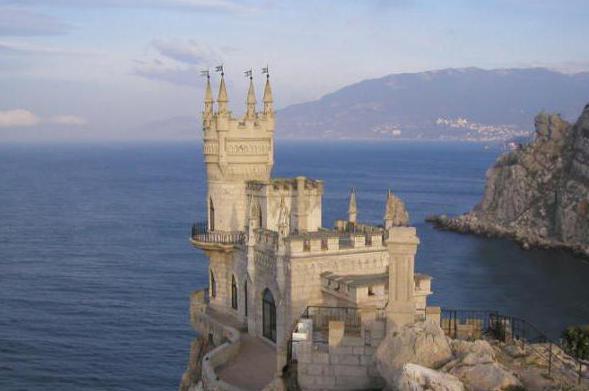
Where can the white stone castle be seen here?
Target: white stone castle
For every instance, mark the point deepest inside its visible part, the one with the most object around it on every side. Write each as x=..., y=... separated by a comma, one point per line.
x=279, y=279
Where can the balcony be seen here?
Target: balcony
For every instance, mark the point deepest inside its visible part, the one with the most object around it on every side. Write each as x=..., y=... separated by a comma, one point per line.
x=206, y=239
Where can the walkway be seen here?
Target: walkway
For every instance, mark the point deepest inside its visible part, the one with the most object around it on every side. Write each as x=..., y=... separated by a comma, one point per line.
x=255, y=365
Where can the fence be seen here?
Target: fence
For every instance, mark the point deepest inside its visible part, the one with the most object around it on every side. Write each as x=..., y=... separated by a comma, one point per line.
x=201, y=233
x=510, y=329
x=321, y=317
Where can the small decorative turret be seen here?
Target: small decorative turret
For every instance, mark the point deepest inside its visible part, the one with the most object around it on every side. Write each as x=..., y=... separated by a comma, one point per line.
x=251, y=99
x=268, y=110
x=222, y=97
x=207, y=114
x=395, y=214
x=283, y=220
x=352, y=208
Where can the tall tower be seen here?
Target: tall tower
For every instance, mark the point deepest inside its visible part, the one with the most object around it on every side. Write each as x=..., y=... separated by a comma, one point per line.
x=236, y=150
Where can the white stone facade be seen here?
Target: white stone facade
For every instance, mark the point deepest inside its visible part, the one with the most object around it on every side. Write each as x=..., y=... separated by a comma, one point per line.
x=268, y=250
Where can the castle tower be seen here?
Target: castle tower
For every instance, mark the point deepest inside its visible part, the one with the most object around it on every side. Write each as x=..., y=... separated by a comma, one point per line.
x=236, y=151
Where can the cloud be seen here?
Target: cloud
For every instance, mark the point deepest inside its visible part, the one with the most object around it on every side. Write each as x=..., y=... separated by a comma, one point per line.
x=18, y=118
x=18, y=47
x=183, y=5
x=189, y=52
x=68, y=120
x=177, y=62
x=23, y=22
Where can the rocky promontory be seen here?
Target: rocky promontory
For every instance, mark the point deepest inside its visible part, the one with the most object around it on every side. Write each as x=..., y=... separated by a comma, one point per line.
x=537, y=194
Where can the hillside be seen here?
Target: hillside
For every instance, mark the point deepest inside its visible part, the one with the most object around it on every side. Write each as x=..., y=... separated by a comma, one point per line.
x=467, y=104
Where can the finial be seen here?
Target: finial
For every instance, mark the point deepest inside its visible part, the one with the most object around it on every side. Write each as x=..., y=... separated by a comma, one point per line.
x=266, y=71
x=205, y=73
x=249, y=73
x=219, y=68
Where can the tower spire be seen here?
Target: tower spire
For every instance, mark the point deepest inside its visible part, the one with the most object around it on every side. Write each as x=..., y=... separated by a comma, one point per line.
x=268, y=110
x=208, y=101
x=251, y=98
x=395, y=214
x=352, y=207
x=222, y=97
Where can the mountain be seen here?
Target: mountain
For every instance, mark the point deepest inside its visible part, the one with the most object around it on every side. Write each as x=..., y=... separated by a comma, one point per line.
x=539, y=193
x=451, y=104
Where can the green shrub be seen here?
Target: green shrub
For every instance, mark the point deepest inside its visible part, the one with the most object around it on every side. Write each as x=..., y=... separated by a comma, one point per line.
x=576, y=341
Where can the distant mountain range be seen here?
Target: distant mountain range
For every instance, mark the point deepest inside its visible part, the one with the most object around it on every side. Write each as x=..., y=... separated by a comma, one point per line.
x=467, y=104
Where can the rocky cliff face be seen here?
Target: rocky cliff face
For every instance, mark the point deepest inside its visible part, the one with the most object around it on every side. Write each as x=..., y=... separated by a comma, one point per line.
x=539, y=193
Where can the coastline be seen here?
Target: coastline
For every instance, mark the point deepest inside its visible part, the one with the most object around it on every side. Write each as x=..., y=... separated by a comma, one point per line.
x=471, y=224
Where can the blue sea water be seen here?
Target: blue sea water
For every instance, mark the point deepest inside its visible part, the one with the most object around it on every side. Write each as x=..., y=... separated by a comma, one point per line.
x=96, y=268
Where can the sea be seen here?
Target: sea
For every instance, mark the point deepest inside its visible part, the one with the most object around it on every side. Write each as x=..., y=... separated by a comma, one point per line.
x=96, y=268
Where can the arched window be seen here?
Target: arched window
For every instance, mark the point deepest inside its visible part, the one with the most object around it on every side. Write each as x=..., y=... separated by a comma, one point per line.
x=268, y=315
x=211, y=215
x=245, y=296
x=213, y=285
x=233, y=293
x=259, y=216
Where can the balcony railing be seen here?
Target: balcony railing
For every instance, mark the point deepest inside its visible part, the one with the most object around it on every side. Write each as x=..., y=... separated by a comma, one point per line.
x=201, y=233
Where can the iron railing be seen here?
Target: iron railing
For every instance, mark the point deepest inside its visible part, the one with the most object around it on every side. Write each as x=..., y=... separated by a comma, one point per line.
x=201, y=233
x=510, y=329
x=322, y=315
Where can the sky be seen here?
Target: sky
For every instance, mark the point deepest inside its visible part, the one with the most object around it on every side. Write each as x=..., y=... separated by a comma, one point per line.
x=111, y=69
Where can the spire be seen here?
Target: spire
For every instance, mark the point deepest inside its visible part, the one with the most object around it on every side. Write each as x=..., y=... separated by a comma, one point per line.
x=352, y=208
x=222, y=97
x=251, y=98
x=267, y=93
x=395, y=213
x=208, y=91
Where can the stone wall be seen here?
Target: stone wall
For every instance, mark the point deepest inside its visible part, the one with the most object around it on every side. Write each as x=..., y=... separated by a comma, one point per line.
x=345, y=363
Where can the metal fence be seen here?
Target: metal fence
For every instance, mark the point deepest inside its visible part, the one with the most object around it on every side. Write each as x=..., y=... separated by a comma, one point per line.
x=201, y=233
x=510, y=329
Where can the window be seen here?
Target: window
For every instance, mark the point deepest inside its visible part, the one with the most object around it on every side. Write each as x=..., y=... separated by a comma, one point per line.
x=211, y=215
x=370, y=291
x=233, y=293
x=324, y=244
x=213, y=285
x=268, y=315
x=306, y=245
x=245, y=296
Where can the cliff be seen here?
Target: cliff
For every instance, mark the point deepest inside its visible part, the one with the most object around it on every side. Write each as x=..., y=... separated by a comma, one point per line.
x=539, y=193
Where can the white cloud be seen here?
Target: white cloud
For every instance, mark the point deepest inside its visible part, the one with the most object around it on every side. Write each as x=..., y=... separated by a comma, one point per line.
x=23, y=22
x=189, y=52
x=17, y=118
x=68, y=120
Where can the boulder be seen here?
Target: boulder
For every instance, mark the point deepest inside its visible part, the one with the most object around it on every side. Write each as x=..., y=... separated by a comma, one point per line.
x=417, y=378
x=423, y=343
x=485, y=377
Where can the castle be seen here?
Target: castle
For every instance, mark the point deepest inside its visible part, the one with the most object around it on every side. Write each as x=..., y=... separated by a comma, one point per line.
x=307, y=293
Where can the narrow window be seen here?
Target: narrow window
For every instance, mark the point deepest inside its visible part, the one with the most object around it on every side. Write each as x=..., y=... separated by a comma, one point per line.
x=268, y=315
x=211, y=215
x=324, y=244
x=370, y=291
x=368, y=240
x=213, y=285
x=233, y=293
x=245, y=296
x=307, y=245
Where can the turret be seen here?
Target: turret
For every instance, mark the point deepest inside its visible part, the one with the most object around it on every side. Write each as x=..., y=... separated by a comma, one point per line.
x=222, y=97
x=207, y=114
x=250, y=113
x=268, y=101
x=352, y=208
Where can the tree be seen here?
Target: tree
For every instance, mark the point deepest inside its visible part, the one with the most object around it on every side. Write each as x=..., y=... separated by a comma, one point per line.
x=576, y=341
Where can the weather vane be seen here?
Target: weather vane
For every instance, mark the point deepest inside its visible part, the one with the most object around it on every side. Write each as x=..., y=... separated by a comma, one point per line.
x=206, y=73
x=266, y=71
x=249, y=74
x=219, y=68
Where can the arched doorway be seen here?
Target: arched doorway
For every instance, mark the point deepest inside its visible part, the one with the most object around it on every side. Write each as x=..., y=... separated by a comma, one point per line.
x=233, y=293
x=268, y=315
x=211, y=215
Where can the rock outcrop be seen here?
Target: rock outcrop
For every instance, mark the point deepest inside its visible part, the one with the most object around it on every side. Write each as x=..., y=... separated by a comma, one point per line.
x=417, y=378
x=539, y=193
x=424, y=344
